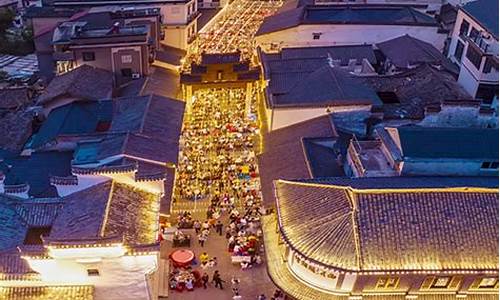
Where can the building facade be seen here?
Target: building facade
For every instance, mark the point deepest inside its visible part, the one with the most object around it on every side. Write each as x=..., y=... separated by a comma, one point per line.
x=327, y=25
x=178, y=17
x=474, y=46
x=126, y=51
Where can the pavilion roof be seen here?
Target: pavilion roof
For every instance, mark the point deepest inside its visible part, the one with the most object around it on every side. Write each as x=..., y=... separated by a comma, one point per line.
x=390, y=229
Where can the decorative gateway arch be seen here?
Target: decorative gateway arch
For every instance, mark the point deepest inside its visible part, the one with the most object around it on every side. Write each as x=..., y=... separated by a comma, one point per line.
x=219, y=70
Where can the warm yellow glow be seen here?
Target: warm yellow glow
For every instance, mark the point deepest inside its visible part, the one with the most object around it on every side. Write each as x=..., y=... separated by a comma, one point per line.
x=115, y=250
x=59, y=272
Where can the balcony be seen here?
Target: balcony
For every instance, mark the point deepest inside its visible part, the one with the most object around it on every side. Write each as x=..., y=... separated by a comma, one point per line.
x=368, y=159
x=486, y=45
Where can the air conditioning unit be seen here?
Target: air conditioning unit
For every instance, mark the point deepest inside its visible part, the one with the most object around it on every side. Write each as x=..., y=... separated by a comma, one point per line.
x=136, y=75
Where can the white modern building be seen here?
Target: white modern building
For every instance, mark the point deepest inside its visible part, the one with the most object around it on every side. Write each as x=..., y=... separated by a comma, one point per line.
x=474, y=46
x=327, y=25
x=178, y=16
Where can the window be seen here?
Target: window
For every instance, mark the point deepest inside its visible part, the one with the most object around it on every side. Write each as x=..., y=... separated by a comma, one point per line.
x=474, y=33
x=459, y=50
x=387, y=283
x=92, y=272
x=493, y=165
x=487, y=92
x=316, y=35
x=474, y=56
x=88, y=56
x=34, y=235
x=127, y=72
x=488, y=282
x=126, y=59
x=441, y=282
x=489, y=65
x=464, y=28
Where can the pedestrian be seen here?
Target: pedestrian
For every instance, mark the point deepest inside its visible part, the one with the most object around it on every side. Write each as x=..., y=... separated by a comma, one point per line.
x=197, y=226
x=205, y=279
x=205, y=226
x=204, y=258
x=262, y=297
x=201, y=239
x=235, y=283
x=237, y=296
x=218, y=227
x=218, y=281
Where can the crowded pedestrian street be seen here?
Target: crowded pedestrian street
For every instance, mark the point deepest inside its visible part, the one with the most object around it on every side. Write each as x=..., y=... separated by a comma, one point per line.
x=217, y=200
x=214, y=242
x=233, y=30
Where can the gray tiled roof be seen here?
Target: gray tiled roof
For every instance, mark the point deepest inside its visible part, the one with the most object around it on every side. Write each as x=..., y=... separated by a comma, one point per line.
x=12, y=98
x=147, y=127
x=17, y=215
x=405, y=51
x=407, y=229
x=15, y=130
x=342, y=53
x=13, y=228
x=84, y=82
x=13, y=267
x=345, y=14
x=36, y=169
x=83, y=214
x=284, y=156
x=301, y=78
x=133, y=214
x=50, y=292
x=429, y=86
x=108, y=210
x=407, y=182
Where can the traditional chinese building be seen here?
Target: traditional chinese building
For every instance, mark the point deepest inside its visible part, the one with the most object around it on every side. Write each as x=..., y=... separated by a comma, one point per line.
x=98, y=243
x=373, y=238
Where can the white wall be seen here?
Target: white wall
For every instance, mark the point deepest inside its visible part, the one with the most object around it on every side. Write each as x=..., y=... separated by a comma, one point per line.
x=469, y=75
x=467, y=81
x=283, y=117
x=84, y=182
x=315, y=280
x=174, y=14
x=338, y=34
x=119, y=278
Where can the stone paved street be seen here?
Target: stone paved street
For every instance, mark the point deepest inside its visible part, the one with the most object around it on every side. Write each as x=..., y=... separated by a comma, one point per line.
x=253, y=281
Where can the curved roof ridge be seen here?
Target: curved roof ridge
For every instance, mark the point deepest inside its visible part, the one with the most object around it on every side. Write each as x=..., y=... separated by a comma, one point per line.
x=471, y=189
x=393, y=229
x=311, y=237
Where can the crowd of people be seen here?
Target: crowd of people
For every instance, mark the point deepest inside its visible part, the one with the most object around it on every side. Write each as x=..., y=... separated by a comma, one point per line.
x=234, y=30
x=216, y=161
x=217, y=166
